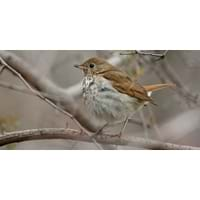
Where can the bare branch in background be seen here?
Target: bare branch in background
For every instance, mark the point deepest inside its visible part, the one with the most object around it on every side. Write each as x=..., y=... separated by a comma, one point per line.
x=138, y=122
x=182, y=89
x=60, y=133
x=1, y=68
x=143, y=53
x=23, y=90
x=153, y=122
x=144, y=124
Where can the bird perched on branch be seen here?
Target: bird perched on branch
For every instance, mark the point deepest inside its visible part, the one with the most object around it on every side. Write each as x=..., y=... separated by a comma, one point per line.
x=111, y=94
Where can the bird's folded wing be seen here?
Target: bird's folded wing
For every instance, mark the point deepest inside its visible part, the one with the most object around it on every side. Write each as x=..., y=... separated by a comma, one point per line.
x=124, y=84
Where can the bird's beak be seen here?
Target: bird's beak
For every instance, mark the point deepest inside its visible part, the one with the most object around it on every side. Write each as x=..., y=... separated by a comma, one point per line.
x=80, y=66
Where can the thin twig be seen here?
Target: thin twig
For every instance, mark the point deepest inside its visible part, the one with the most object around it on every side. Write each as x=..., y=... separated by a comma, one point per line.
x=182, y=89
x=154, y=123
x=1, y=68
x=159, y=55
x=163, y=79
x=138, y=122
x=60, y=133
x=146, y=133
x=23, y=90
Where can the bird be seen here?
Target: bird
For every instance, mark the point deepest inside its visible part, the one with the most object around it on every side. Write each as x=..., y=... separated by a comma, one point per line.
x=110, y=94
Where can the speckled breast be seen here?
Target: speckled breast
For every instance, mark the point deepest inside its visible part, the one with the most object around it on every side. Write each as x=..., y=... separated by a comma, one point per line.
x=104, y=101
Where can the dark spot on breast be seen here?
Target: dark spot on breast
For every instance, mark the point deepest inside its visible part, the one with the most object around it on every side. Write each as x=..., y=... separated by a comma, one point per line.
x=104, y=89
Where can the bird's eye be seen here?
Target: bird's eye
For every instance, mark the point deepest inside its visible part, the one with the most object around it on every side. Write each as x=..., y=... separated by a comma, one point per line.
x=92, y=65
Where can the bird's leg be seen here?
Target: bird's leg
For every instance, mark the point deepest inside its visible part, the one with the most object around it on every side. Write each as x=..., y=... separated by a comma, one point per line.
x=124, y=123
x=99, y=131
x=124, y=126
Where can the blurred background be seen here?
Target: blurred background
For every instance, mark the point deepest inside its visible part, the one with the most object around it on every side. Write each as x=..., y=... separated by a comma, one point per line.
x=176, y=118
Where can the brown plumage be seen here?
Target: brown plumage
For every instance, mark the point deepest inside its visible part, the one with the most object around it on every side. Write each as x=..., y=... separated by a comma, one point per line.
x=120, y=80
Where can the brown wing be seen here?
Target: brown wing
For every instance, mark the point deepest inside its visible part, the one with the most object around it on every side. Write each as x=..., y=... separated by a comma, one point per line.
x=124, y=84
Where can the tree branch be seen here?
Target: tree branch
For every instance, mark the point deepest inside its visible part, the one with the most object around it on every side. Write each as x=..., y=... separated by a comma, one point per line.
x=71, y=134
x=182, y=89
x=143, y=53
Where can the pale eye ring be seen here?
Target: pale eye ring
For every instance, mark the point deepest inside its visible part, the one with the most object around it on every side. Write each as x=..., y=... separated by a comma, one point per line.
x=92, y=65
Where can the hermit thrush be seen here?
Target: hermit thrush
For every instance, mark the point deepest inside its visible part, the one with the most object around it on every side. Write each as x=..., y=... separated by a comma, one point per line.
x=110, y=93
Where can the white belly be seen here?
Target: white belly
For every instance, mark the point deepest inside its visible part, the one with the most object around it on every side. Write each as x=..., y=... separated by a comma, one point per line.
x=105, y=102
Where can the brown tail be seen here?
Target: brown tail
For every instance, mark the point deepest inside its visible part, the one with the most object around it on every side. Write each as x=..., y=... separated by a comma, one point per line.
x=155, y=87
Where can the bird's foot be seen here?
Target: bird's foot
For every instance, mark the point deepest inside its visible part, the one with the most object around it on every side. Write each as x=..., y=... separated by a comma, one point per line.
x=99, y=131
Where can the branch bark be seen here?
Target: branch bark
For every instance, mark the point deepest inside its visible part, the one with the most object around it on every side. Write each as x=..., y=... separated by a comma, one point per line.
x=71, y=134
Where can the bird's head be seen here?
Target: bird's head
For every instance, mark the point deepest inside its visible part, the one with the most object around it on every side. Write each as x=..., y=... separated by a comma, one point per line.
x=94, y=66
